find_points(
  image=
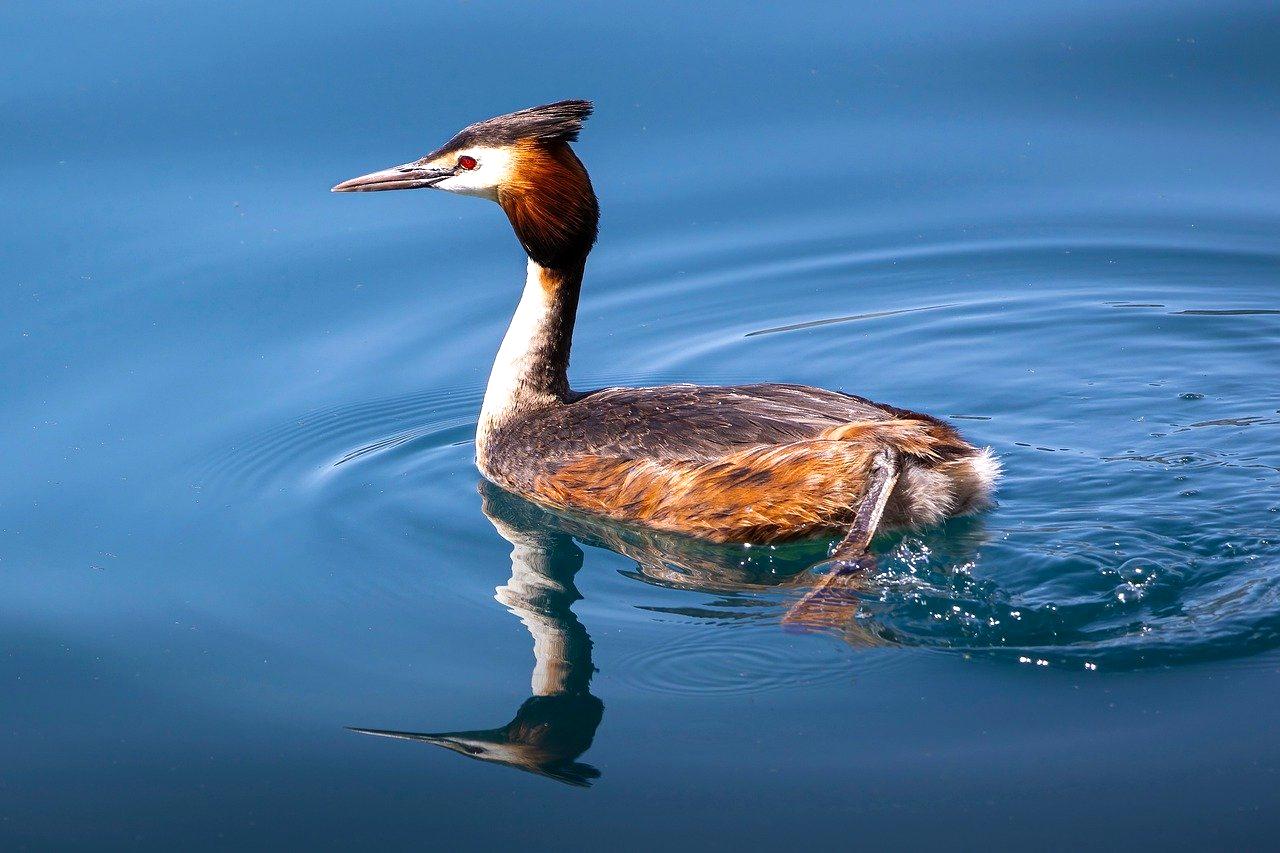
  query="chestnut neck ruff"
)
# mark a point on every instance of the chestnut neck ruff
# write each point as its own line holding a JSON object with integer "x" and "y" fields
{"x": 553, "y": 210}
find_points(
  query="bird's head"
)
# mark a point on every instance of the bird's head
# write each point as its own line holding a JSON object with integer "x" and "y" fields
{"x": 521, "y": 160}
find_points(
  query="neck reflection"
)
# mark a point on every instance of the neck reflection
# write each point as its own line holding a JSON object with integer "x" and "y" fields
{"x": 558, "y": 722}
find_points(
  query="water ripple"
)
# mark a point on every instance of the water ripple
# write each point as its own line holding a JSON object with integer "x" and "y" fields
{"x": 305, "y": 450}
{"x": 871, "y": 315}
{"x": 742, "y": 660}
{"x": 1130, "y": 534}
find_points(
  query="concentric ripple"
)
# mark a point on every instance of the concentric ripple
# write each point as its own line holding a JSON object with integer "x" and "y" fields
{"x": 752, "y": 658}
{"x": 1129, "y": 385}
{"x": 1140, "y": 514}
{"x": 314, "y": 446}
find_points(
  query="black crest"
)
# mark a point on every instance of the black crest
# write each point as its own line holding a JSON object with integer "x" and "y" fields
{"x": 549, "y": 123}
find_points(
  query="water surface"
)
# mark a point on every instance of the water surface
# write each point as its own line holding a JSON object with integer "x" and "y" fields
{"x": 238, "y": 511}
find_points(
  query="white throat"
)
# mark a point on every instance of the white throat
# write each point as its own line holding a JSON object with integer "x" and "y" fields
{"x": 516, "y": 362}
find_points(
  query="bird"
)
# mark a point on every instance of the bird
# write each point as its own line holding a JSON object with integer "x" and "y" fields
{"x": 753, "y": 463}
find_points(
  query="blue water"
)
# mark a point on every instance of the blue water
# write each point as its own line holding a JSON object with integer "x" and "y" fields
{"x": 239, "y": 514}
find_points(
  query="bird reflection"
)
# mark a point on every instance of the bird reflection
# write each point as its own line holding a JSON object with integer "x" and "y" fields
{"x": 558, "y": 723}
{"x": 825, "y": 596}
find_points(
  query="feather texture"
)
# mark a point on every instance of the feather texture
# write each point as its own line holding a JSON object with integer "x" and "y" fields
{"x": 757, "y": 463}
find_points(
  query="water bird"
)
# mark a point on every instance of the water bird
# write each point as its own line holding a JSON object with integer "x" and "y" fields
{"x": 753, "y": 463}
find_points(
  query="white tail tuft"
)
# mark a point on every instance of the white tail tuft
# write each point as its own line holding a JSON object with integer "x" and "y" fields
{"x": 974, "y": 490}
{"x": 986, "y": 470}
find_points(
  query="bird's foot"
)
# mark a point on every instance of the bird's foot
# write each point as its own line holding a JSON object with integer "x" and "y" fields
{"x": 832, "y": 600}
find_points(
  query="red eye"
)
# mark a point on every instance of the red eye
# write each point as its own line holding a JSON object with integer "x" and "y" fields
{"x": 467, "y": 162}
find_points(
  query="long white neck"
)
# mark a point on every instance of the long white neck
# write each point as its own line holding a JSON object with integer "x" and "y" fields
{"x": 531, "y": 369}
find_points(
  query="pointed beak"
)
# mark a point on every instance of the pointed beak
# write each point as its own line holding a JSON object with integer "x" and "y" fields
{"x": 429, "y": 738}
{"x": 410, "y": 176}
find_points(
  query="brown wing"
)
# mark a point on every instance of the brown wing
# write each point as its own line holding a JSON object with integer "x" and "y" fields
{"x": 698, "y": 421}
{"x": 682, "y": 422}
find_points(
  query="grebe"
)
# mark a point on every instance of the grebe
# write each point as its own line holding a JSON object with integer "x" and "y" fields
{"x": 747, "y": 463}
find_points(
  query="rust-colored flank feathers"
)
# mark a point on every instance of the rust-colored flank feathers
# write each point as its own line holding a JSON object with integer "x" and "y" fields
{"x": 751, "y": 463}
{"x": 754, "y": 493}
